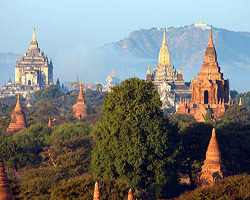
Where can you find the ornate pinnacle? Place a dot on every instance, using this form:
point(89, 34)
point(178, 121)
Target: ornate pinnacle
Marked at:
point(210, 42)
point(34, 35)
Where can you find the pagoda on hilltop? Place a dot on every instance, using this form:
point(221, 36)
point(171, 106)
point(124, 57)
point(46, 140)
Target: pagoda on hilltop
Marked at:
point(5, 191)
point(209, 91)
point(170, 84)
point(32, 72)
point(212, 169)
point(80, 108)
point(18, 121)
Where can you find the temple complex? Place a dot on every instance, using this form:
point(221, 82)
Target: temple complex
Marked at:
point(5, 191)
point(212, 169)
point(209, 91)
point(170, 84)
point(32, 72)
point(18, 121)
point(80, 108)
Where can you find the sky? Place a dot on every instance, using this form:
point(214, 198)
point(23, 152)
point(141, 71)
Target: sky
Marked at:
point(71, 32)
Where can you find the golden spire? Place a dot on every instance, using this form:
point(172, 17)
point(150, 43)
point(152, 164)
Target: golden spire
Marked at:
point(130, 195)
point(149, 78)
point(96, 192)
point(164, 41)
point(164, 56)
point(180, 72)
point(148, 72)
point(240, 103)
point(34, 35)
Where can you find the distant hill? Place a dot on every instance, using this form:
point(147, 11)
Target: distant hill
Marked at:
point(7, 66)
point(187, 46)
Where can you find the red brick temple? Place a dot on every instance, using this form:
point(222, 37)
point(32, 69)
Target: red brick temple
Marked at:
point(209, 91)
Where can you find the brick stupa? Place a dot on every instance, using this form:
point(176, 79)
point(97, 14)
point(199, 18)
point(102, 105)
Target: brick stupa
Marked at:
point(80, 108)
point(49, 123)
point(5, 191)
point(96, 192)
point(18, 121)
point(209, 91)
point(212, 169)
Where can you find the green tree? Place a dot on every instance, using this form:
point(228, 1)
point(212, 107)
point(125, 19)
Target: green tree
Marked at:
point(135, 141)
point(237, 114)
point(234, 188)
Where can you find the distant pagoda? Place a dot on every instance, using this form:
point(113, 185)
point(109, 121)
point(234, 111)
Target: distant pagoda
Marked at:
point(80, 108)
point(212, 169)
point(18, 121)
point(5, 190)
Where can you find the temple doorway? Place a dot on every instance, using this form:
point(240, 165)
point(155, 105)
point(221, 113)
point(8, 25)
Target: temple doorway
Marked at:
point(29, 82)
point(206, 97)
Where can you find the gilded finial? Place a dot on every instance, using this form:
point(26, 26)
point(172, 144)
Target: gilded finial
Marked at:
point(164, 41)
point(148, 72)
point(34, 35)
point(180, 72)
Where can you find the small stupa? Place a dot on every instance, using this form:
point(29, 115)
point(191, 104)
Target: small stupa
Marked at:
point(18, 121)
point(80, 108)
point(130, 195)
point(149, 74)
point(212, 169)
point(49, 123)
point(96, 192)
point(5, 191)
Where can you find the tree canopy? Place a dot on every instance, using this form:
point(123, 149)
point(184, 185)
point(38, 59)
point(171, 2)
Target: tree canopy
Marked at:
point(134, 141)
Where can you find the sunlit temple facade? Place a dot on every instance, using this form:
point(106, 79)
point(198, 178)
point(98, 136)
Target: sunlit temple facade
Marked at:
point(32, 72)
point(170, 84)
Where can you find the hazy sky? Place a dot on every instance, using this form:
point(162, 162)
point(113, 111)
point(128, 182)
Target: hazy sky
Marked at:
point(69, 30)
